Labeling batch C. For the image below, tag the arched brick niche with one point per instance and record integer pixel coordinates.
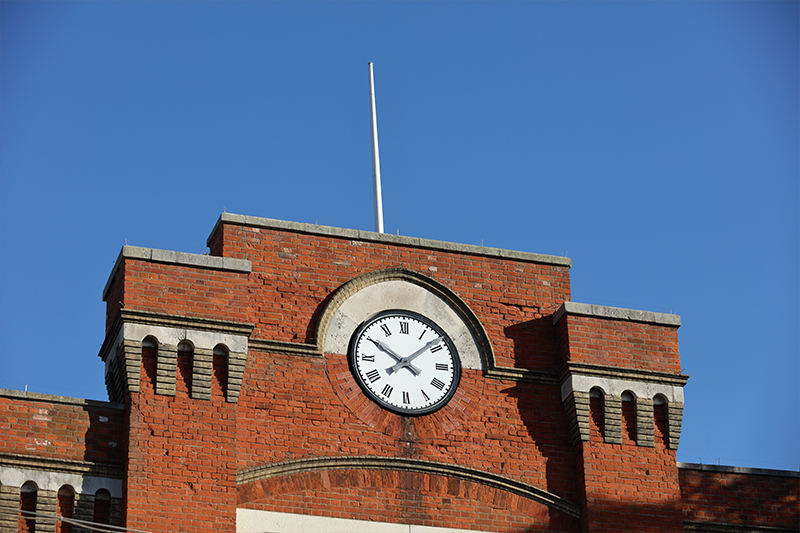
(365, 296)
(404, 491)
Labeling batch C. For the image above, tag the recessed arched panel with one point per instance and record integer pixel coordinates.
(266, 481)
(367, 295)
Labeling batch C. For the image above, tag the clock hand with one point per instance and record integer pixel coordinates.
(407, 360)
(414, 370)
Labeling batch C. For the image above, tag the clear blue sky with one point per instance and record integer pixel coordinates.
(654, 143)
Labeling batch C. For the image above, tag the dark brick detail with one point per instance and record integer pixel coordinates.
(674, 421)
(644, 422)
(613, 419)
(577, 406)
(46, 503)
(84, 510)
(166, 368)
(201, 374)
(236, 364)
(9, 497)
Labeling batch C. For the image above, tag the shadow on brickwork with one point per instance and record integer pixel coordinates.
(535, 345)
(539, 404)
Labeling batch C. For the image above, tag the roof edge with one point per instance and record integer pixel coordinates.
(616, 313)
(38, 397)
(331, 231)
(738, 470)
(177, 258)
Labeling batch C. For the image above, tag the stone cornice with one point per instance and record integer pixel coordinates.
(36, 397)
(616, 313)
(284, 347)
(330, 231)
(522, 374)
(613, 372)
(177, 258)
(739, 470)
(84, 468)
(170, 321)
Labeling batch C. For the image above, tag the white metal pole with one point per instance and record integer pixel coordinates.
(376, 160)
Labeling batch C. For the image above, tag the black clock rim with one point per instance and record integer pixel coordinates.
(351, 356)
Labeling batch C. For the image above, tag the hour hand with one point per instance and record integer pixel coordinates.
(383, 347)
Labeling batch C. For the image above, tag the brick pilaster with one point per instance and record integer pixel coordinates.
(166, 368)
(578, 412)
(644, 422)
(46, 503)
(202, 364)
(236, 363)
(674, 420)
(84, 510)
(9, 497)
(612, 419)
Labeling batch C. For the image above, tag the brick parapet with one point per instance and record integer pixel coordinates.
(293, 275)
(620, 338)
(215, 240)
(61, 428)
(629, 491)
(739, 499)
(146, 282)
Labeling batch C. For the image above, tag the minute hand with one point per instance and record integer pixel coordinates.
(414, 370)
(406, 360)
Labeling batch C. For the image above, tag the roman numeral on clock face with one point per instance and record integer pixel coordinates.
(368, 358)
(404, 328)
(386, 331)
(442, 366)
(424, 395)
(405, 397)
(438, 384)
(437, 348)
(373, 376)
(387, 390)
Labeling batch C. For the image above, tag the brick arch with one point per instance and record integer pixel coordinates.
(388, 475)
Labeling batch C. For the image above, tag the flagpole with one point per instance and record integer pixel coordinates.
(376, 161)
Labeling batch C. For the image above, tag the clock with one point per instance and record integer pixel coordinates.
(405, 362)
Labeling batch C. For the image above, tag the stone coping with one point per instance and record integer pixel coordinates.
(739, 470)
(616, 313)
(330, 231)
(177, 258)
(35, 396)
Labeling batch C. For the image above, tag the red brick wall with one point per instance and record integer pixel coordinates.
(288, 410)
(295, 407)
(180, 475)
(180, 290)
(294, 273)
(740, 499)
(629, 488)
(72, 431)
(635, 345)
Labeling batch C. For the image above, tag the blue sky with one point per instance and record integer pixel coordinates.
(654, 143)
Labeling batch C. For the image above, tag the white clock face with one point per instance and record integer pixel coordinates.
(405, 362)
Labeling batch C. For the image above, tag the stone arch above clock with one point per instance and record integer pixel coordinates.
(367, 295)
